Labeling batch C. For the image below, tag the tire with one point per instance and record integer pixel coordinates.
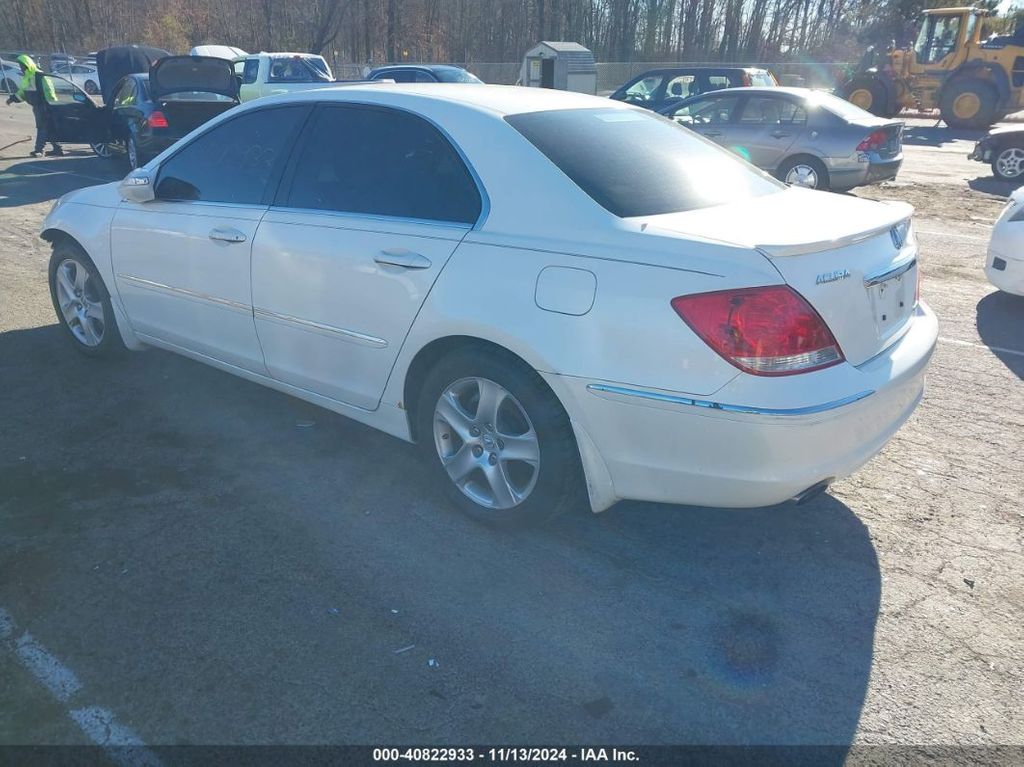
(499, 491)
(869, 94)
(101, 149)
(969, 104)
(132, 153)
(91, 88)
(806, 167)
(82, 302)
(1008, 164)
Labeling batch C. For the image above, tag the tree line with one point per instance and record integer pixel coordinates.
(465, 31)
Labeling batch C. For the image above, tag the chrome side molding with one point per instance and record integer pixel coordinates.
(599, 389)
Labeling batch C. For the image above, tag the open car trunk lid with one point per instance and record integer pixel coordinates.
(192, 74)
(854, 260)
(114, 63)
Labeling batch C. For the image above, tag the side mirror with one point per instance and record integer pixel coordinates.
(137, 186)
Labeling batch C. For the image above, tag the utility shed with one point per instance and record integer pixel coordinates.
(560, 65)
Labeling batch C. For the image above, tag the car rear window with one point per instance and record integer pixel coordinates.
(635, 163)
(762, 79)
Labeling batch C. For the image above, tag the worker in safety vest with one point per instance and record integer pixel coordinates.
(37, 90)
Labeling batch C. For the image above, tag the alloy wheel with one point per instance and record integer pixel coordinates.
(1010, 162)
(486, 442)
(80, 302)
(101, 149)
(802, 175)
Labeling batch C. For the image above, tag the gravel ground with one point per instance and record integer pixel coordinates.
(182, 553)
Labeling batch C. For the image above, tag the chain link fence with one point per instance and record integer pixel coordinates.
(612, 74)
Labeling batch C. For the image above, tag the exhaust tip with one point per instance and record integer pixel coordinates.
(813, 491)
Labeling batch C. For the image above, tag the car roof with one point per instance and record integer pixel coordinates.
(429, 67)
(497, 99)
(667, 70)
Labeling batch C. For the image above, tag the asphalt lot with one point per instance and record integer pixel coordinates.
(187, 558)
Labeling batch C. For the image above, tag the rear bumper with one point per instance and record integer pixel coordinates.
(730, 452)
(874, 171)
(1005, 273)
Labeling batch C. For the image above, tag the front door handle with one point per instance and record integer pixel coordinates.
(226, 234)
(403, 258)
(712, 133)
(780, 134)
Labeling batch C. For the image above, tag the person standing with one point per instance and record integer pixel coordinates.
(37, 90)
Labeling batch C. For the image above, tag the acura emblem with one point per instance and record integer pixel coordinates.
(835, 276)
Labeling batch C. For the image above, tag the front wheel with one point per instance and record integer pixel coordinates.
(82, 302)
(497, 439)
(1008, 164)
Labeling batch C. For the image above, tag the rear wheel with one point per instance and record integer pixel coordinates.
(82, 302)
(804, 170)
(969, 104)
(101, 149)
(497, 439)
(869, 94)
(1008, 163)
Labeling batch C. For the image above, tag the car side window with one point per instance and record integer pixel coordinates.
(766, 110)
(250, 71)
(125, 92)
(718, 82)
(289, 70)
(681, 87)
(710, 111)
(643, 90)
(400, 76)
(234, 161)
(381, 162)
(424, 77)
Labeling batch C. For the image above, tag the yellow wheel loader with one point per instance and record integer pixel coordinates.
(972, 83)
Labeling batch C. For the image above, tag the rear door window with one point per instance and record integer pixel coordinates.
(768, 110)
(681, 87)
(235, 161)
(250, 71)
(718, 82)
(635, 163)
(381, 162)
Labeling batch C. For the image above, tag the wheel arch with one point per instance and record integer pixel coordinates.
(431, 353)
(56, 235)
(983, 70)
(600, 489)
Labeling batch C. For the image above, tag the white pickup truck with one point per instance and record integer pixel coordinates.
(264, 74)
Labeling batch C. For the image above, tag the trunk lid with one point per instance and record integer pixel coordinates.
(192, 74)
(854, 260)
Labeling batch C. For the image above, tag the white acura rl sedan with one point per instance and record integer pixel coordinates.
(552, 294)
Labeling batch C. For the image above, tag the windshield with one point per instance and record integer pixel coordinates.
(455, 75)
(636, 163)
(937, 38)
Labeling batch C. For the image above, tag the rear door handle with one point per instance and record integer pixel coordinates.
(712, 133)
(226, 234)
(780, 134)
(403, 258)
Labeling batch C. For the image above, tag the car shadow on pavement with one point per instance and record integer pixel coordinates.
(937, 135)
(992, 185)
(1000, 320)
(39, 180)
(220, 563)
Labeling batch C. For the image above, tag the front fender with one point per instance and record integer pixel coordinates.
(84, 217)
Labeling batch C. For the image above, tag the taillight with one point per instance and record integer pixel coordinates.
(157, 120)
(770, 331)
(875, 140)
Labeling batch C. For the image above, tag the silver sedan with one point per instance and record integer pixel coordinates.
(803, 137)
